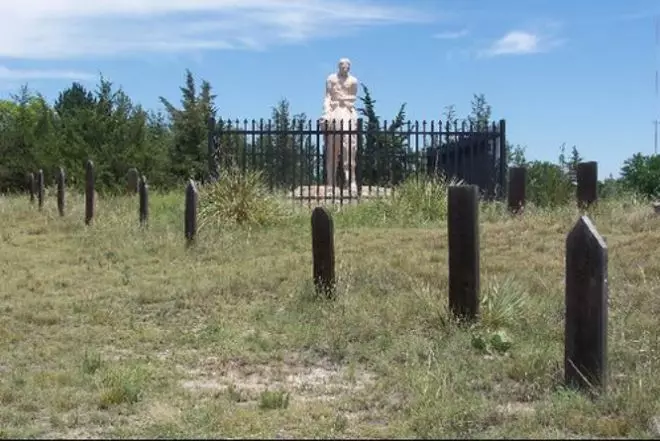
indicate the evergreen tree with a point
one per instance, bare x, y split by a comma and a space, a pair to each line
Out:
188, 153
385, 154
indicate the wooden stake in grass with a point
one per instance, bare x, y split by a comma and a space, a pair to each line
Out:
32, 187
587, 184
61, 187
144, 200
463, 234
323, 252
517, 189
585, 356
191, 212
89, 192
40, 188
132, 180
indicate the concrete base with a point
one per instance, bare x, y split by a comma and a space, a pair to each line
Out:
329, 193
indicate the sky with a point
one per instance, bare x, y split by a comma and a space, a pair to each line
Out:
559, 72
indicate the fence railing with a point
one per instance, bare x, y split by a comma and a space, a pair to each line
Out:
369, 159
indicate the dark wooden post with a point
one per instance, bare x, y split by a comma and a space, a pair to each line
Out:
359, 153
587, 183
517, 188
504, 160
61, 188
585, 357
463, 236
144, 200
191, 212
89, 192
323, 252
40, 188
32, 187
132, 180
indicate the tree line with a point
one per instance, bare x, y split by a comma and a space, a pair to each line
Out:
107, 126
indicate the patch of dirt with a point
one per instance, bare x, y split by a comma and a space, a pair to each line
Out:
655, 425
163, 412
77, 433
323, 380
516, 408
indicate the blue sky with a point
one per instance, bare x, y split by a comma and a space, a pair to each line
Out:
574, 72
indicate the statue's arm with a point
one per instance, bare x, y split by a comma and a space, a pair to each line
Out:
328, 96
353, 90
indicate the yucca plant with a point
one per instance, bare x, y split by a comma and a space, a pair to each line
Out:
240, 198
502, 303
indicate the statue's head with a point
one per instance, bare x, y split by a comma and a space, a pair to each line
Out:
344, 66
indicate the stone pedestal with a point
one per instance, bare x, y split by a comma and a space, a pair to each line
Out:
336, 194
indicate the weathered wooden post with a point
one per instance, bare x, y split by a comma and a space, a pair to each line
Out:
323, 252
40, 188
132, 180
144, 200
191, 212
587, 184
32, 187
463, 237
585, 356
89, 192
61, 188
517, 189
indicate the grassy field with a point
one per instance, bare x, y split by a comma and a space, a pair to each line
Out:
114, 331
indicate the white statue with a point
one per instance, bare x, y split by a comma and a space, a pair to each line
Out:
341, 90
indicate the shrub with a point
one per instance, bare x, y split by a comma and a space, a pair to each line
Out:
423, 199
240, 198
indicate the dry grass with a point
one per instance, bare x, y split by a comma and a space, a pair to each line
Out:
112, 331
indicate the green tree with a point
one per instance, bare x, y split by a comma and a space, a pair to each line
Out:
573, 162
611, 187
641, 174
75, 114
19, 119
548, 184
481, 113
385, 154
188, 153
516, 155
450, 116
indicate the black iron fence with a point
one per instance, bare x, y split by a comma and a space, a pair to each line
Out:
292, 155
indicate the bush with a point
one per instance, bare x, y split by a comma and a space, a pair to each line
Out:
240, 198
641, 174
423, 199
417, 201
548, 185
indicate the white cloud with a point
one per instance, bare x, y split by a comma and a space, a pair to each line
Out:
8, 74
451, 35
58, 29
521, 43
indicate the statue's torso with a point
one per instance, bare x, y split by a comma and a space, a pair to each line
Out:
341, 89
